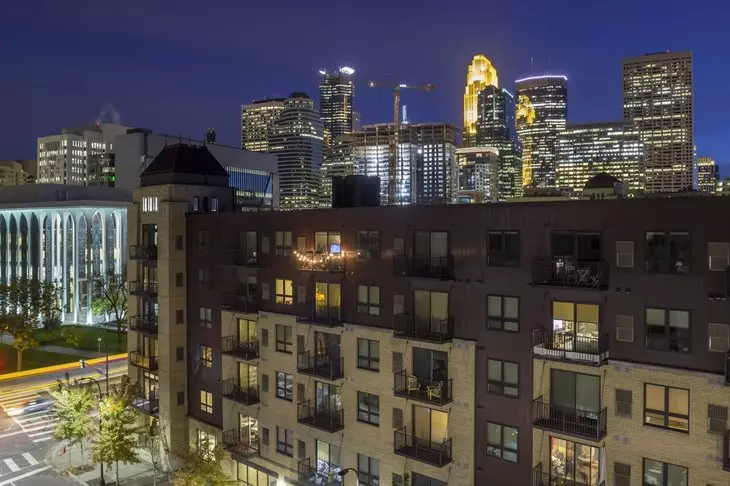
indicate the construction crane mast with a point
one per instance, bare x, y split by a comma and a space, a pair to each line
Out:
393, 166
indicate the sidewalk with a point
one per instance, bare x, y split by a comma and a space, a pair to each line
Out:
8, 339
85, 472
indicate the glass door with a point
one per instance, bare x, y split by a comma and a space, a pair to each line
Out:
430, 426
246, 330
150, 386
247, 375
327, 397
248, 428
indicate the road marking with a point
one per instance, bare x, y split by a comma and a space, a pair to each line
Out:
11, 465
38, 434
29, 457
34, 413
14, 403
26, 475
37, 421
11, 395
42, 439
13, 433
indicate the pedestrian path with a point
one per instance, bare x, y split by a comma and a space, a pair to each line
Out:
17, 462
38, 425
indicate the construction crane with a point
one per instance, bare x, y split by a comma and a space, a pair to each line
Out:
393, 166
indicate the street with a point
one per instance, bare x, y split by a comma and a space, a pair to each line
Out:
26, 440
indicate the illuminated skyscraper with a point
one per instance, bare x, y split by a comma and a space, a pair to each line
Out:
541, 114
657, 95
478, 175
436, 167
708, 175
338, 163
479, 75
257, 119
335, 103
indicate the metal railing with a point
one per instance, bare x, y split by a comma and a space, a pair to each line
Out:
570, 347
246, 350
141, 252
242, 257
540, 478
136, 358
429, 391
242, 393
423, 328
320, 261
441, 267
425, 450
149, 406
320, 365
143, 289
146, 324
591, 425
320, 418
241, 444
320, 315
566, 273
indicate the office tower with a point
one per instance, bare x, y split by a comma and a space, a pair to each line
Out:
588, 149
479, 74
65, 158
356, 121
495, 127
657, 95
540, 115
336, 93
478, 175
297, 140
257, 119
415, 341
436, 168
339, 162
723, 187
12, 173
102, 170
371, 151
708, 175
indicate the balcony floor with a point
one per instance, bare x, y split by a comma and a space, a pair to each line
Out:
578, 426
429, 456
322, 422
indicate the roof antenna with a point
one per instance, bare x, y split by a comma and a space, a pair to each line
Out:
532, 66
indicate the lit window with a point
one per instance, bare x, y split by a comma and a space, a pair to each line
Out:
206, 401
149, 204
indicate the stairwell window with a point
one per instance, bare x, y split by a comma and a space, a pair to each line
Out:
206, 401
206, 317
206, 356
150, 204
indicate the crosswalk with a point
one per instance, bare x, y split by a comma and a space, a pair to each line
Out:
37, 425
17, 463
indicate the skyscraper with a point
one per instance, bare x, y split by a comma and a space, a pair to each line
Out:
479, 74
657, 95
541, 114
587, 149
478, 175
338, 163
257, 120
708, 175
297, 140
436, 168
335, 103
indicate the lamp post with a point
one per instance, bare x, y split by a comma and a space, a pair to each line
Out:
106, 351
98, 385
343, 472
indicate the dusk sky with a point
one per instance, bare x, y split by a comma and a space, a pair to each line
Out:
189, 65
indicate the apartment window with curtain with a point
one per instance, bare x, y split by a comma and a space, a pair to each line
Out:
206, 356
368, 300
431, 247
368, 354
206, 401
668, 330
575, 326
284, 441
657, 473
368, 408
284, 291
431, 306
283, 243
368, 471
576, 393
666, 407
503, 313
284, 340
206, 317
327, 297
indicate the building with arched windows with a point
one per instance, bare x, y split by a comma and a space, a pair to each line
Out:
69, 235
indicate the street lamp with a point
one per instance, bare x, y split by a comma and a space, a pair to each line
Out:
343, 472
98, 385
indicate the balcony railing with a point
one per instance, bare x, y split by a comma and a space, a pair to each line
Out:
726, 451
320, 261
320, 315
424, 267
309, 474
423, 328
240, 302
246, 350
139, 252
424, 450
560, 272
320, 365
146, 324
428, 391
240, 444
241, 257
592, 350
138, 359
143, 289
243, 394
320, 418
727, 369
582, 423
540, 478
149, 406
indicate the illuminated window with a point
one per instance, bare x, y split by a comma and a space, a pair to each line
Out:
284, 292
206, 401
666, 407
206, 356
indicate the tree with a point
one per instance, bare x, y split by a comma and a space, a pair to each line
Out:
74, 420
200, 466
110, 298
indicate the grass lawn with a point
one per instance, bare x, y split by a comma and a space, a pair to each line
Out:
87, 338
31, 359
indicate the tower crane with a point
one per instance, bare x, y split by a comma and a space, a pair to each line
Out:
393, 166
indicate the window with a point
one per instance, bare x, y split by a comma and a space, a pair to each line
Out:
667, 330
719, 337
503, 378
284, 441
284, 385
667, 252
206, 356
204, 279
325, 242
624, 328
662, 474
150, 204
666, 407
283, 243
214, 204
284, 342
203, 240
196, 204
179, 280
716, 419
573, 463
575, 327
327, 459
368, 408
624, 402
179, 316
206, 401
368, 354
503, 313
206, 317
718, 256
621, 474
421, 480
625, 254
284, 292
368, 471
578, 393
368, 245
502, 442
503, 248
181, 398
206, 441
368, 299
180, 353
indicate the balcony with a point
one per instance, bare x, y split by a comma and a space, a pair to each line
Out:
580, 423
727, 369
320, 418
320, 365
423, 328
243, 394
245, 350
425, 450
726, 451
427, 391
320, 315
138, 359
148, 406
143, 289
240, 302
567, 347
540, 478
240, 444
139, 252
241, 258
559, 272
424, 267
146, 324
309, 474
320, 262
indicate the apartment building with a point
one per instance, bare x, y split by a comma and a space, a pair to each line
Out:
565, 342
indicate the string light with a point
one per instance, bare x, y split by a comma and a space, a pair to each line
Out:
312, 260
